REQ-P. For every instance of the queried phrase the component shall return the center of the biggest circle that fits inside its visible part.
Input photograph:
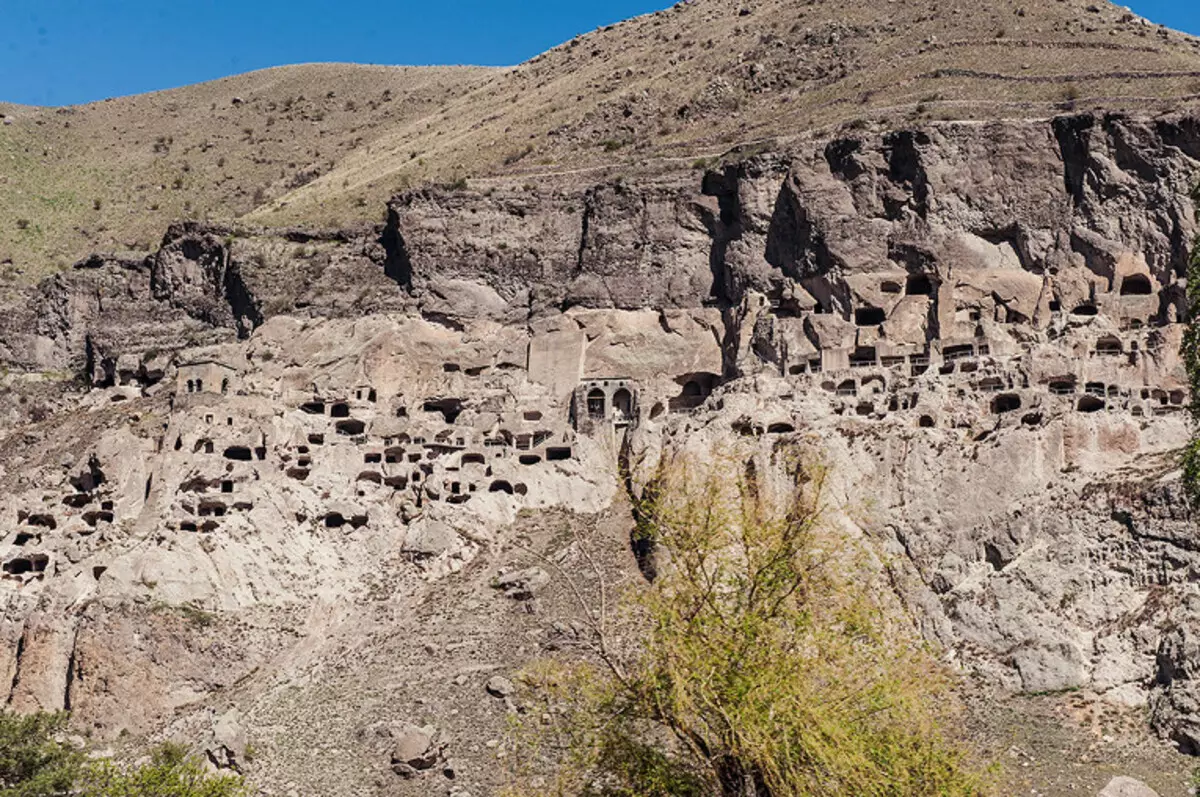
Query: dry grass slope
(113, 174)
(324, 145)
(704, 76)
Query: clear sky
(59, 52)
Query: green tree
(171, 772)
(33, 763)
(1191, 359)
(769, 666)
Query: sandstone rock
(1050, 668)
(499, 686)
(522, 584)
(416, 750)
(1126, 787)
(228, 747)
(1175, 708)
(430, 538)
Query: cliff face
(285, 443)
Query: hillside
(325, 145)
(705, 76)
(113, 175)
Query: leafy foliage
(32, 762)
(769, 667)
(1191, 359)
(170, 773)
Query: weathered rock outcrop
(976, 325)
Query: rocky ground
(1063, 744)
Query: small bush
(196, 616)
(250, 753)
(170, 773)
(22, 224)
(32, 762)
(517, 157)
(612, 144)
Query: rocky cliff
(250, 473)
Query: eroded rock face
(616, 245)
(1176, 705)
(194, 271)
(976, 326)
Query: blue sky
(58, 52)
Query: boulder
(499, 686)
(1126, 787)
(228, 745)
(416, 750)
(522, 584)
(430, 538)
